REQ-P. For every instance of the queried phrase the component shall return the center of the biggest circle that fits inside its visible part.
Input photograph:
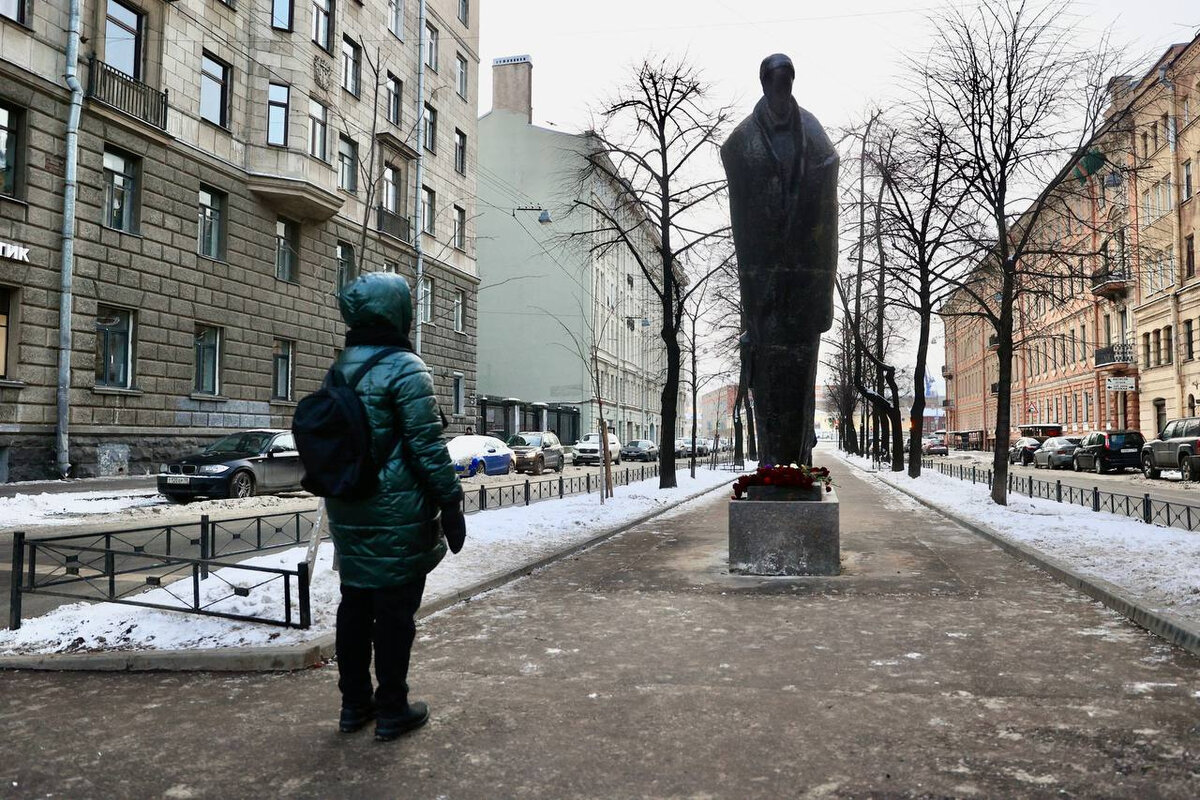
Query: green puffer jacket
(392, 537)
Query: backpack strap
(375, 358)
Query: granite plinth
(785, 537)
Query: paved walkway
(936, 666)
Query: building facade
(563, 326)
(236, 164)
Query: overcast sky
(848, 54)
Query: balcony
(993, 342)
(1115, 355)
(995, 388)
(947, 372)
(947, 403)
(1112, 284)
(117, 90)
(393, 224)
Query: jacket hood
(377, 299)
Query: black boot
(388, 726)
(353, 718)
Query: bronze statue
(782, 172)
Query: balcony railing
(393, 224)
(1110, 281)
(993, 342)
(114, 88)
(1114, 354)
(947, 403)
(947, 372)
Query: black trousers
(381, 619)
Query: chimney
(512, 85)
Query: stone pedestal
(785, 537)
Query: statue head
(776, 74)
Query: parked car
(1104, 450)
(683, 447)
(241, 464)
(934, 447)
(1022, 449)
(536, 451)
(1056, 452)
(1175, 447)
(587, 449)
(640, 450)
(473, 454)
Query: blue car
(473, 454)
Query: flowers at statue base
(801, 477)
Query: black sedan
(1058, 451)
(640, 450)
(241, 464)
(1023, 449)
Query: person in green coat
(389, 541)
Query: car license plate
(1128, 450)
(177, 479)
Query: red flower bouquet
(790, 476)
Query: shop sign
(1120, 384)
(14, 252)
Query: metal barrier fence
(1150, 510)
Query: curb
(300, 656)
(1166, 626)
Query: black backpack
(333, 436)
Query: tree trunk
(695, 420)
(1004, 391)
(670, 409)
(751, 432)
(916, 415)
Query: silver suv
(1176, 447)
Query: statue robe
(783, 207)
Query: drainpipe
(422, 43)
(65, 302)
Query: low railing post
(110, 571)
(526, 491)
(1095, 498)
(205, 553)
(561, 486)
(302, 591)
(972, 474)
(14, 595)
(482, 498)
(1146, 508)
(1058, 491)
(1031, 486)
(588, 481)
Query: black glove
(454, 525)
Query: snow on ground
(498, 541)
(52, 508)
(1158, 565)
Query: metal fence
(1150, 510)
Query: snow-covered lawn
(498, 541)
(1159, 566)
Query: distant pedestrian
(470, 430)
(389, 541)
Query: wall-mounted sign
(1120, 384)
(14, 252)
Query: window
(7, 296)
(460, 228)
(114, 351)
(460, 309)
(1187, 180)
(428, 209)
(425, 300)
(460, 75)
(281, 14)
(460, 152)
(464, 12)
(351, 65)
(322, 14)
(122, 38)
(345, 263)
(318, 121)
(214, 91)
(14, 10)
(281, 369)
(287, 250)
(278, 96)
(1168, 346)
(391, 189)
(431, 47)
(1156, 338)
(208, 360)
(1189, 255)
(395, 96)
(460, 395)
(120, 190)
(347, 164)
(211, 223)
(1189, 345)
(430, 128)
(10, 146)
(396, 17)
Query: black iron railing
(1152, 511)
(535, 490)
(1103, 279)
(393, 224)
(1114, 354)
(126, 94)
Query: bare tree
(841, 388)
(1018, 98)
(653, 142)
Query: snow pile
(50, 508)
(1158, 565)
(498, 541)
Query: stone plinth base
(785, 537)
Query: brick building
(236, 162)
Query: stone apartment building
(236, 162)
(547, 300)
(1114, 344)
